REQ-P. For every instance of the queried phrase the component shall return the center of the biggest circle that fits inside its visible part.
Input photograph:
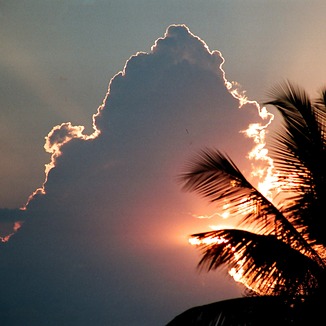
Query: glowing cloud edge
(65, 132)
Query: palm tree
(284, 253)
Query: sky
(103, 103)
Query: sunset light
(17, 225)
(264, 172)
(195, 241)
(151, 165)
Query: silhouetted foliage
(285, 256)
(253, 311)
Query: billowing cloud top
(105, 237)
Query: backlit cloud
(105, 237)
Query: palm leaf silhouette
(286, 253)
(299, 151)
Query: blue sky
(109, 237)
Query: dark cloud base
(106, 244)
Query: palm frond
(299, 154)
(262, 262)
(320, 105)
(215, 176)
(320, 102)
(239, 312)
(262, 310)
(300, 121)
(303, 133)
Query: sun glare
(262, 171)
(196, 241)
(267, 180)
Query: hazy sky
(107, 243)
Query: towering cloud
(104, 240)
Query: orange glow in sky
(264, 173)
